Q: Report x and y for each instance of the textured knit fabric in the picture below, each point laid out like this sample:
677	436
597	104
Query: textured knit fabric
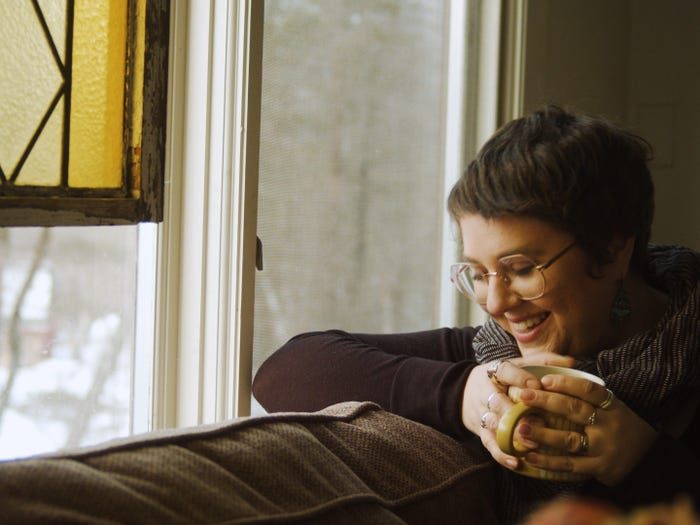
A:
352	463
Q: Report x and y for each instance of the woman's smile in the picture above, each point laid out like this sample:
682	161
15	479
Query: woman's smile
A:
529	331
529	323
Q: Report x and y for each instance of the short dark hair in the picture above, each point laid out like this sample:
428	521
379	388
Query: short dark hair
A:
580	173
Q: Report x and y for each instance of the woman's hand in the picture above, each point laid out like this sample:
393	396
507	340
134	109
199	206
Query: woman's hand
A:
485	399
616	437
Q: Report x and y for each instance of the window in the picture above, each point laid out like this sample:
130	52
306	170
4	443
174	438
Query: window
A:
82	129
208	310
190	288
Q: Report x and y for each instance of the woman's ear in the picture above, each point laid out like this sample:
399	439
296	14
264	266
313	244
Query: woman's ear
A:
621	249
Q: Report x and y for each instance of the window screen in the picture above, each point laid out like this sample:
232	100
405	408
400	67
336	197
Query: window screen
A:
350	189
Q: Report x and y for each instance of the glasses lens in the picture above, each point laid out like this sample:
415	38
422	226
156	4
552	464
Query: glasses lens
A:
524	277
520	274
471	283
458	279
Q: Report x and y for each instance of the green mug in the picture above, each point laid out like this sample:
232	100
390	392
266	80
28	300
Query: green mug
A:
509	421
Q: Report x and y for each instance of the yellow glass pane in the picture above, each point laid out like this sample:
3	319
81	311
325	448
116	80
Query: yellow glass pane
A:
97	100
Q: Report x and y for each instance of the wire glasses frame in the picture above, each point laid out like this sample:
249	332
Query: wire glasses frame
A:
523	277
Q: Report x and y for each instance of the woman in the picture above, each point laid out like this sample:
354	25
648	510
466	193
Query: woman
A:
555	216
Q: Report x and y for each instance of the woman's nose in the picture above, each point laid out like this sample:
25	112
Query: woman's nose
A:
499	298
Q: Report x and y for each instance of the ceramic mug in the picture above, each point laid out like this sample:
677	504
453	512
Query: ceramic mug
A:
509	421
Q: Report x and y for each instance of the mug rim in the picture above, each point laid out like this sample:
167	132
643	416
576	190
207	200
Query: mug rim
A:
562	370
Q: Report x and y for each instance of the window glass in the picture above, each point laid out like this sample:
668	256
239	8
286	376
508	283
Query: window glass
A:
97	94
350	194
66	336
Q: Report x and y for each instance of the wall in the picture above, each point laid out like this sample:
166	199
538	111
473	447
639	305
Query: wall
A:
635	62
664	105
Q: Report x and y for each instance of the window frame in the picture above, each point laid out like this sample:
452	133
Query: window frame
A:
92	207
201	343
205	249
196	268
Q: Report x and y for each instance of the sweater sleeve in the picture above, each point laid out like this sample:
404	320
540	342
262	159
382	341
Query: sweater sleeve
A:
419	375
669	470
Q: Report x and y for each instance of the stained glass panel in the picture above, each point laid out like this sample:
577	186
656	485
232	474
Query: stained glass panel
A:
63	82
80	116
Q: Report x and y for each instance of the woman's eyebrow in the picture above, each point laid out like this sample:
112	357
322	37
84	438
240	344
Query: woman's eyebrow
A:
471	260
527	251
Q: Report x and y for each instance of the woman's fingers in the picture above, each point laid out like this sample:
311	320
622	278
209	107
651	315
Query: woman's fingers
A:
488	438
545	358
565	440
565	463
509	371
595	394
574	409
527	430
601	448
506	373
579	400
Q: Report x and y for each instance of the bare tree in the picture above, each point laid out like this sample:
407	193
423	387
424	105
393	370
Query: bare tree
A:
13	334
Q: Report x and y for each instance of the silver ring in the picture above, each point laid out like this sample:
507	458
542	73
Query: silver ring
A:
583	445
492	372
608	400
483	419
591	420
488	401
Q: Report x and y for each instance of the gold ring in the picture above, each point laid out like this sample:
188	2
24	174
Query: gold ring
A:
591	420
583	445
608	400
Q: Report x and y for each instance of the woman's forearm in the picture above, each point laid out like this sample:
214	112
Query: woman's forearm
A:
417	375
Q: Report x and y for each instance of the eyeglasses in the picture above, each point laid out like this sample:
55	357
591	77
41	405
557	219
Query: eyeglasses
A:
522	275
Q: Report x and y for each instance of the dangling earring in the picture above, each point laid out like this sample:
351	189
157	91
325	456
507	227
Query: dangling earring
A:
621	305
